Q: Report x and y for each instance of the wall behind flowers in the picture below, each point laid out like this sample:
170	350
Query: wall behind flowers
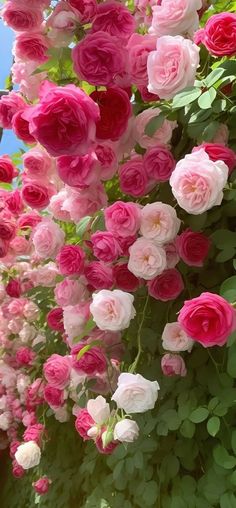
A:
117	255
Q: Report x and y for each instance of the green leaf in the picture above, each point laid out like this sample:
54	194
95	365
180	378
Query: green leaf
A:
118	469
172	419
186	96
228	289
228	500
82	226
206	99
231	364
154	124
88	327
187	429
233	441
210	131
225	255
214	76
138	459
199	414
213	425
223	458
223	238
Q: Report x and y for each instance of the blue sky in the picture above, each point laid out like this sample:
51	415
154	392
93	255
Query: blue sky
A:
9	143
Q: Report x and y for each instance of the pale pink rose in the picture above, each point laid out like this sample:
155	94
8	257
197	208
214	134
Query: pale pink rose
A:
56	206
75	318
31	46
173	365
112	310
16	306
70	292
63	18
147	259
159	222
175	339
45	275
139	47
126	431
175	17
78	172
47	238
135	394
172	67
20	245
98	409
20	17
162	135
2	292
15	325
61	414
31	311
222	135
29	83
172	256
122	219
57	370
197	182
5	420
37	163
80	203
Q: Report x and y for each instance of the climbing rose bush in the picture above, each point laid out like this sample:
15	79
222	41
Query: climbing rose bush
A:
117	255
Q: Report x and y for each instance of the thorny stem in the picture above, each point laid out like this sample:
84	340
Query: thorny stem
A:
135	363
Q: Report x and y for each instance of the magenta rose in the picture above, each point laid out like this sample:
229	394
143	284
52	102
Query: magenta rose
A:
29	220
20	126
7	226
114	18
217	151
57	370
92	362
99	58
193	247
107	450
14	202
13	288
64	121
9	105
123	219
25	356
31	46
105	246
159	163
79	172
53	396
85	9
166	286
17	470
115	111
55	319
7	169
99	275
208	319
124	279
36	195
70	260
133	177
173	365
20	17
83	423
219	35
42	485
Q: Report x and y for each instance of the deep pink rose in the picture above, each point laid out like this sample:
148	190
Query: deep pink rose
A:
57	370
208	319
126	242
20	17
70	260
115	111
34	395
92	362
42	485
147	96
7	169
29	220
4	246
17	470
124	279
13	288
109	449
99	275
193	247
14	202
13	447
139	47
55	319
85	9
7	226
78	171
123	219
34	433
25	356
9	105
107	160
133	177
105	246
53	396
36	194
83	423
20	126
159	163
220	34
173	365
166	286
31	46
217	151
114	18
99	58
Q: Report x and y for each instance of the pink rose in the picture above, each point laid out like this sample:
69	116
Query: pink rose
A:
83	423
7	169
55	319
9	105
159	163
124	279
14	202
69	292
37	163
44	275
70	260
78	172
99	58
147	96
125	243
166	286
172	67
42	485
106	450
172	256
75	318
122	219
13	288
193	247
63	18
107	160
208	319
139	47
84	9
20	126
173	365
25	356
114	18
4	246
105	246
20	245
17	470
47	238
37	195
56	206
29	220
174	17
53	396
159	222
64	120
31	46
20	17
163	134
133	178
175	339
147	259
57	371
7	225
220	34
91	362
34	433
80	203
115	111
218	151
197	182
99	275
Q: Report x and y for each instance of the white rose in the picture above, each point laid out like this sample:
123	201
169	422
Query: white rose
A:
31	311
28	455
147	260
22	382
112	310
5	420
126	431
3	402
98	409
159	222
27	333
175	339
135	394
